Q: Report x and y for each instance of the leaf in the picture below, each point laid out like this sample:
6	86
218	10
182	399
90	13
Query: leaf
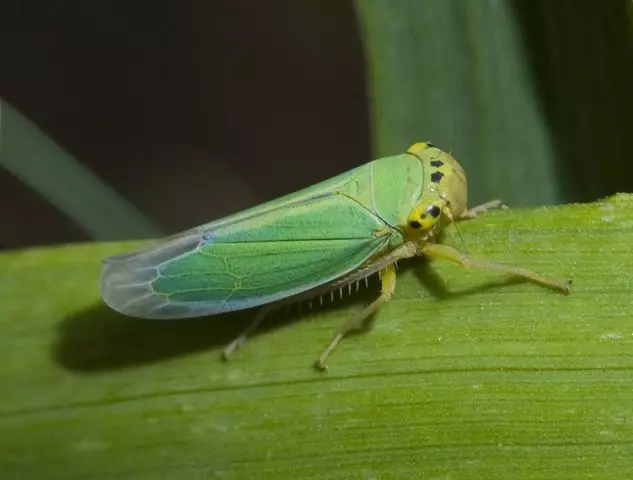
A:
464	374
456	73
36	160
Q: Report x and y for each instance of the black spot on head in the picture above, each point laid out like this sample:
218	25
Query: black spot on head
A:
434	211
415	224
437	163
436	177
430	145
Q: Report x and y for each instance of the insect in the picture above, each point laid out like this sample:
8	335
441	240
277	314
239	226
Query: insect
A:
301	246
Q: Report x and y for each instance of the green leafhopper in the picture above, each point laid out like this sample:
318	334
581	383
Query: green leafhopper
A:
318	240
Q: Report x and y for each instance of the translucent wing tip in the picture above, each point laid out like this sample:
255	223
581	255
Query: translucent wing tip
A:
128	290
126	280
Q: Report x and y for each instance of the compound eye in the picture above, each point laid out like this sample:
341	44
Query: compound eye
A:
434	210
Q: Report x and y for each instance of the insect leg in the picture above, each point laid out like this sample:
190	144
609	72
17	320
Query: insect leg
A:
445	252
357	321
484	207
239	341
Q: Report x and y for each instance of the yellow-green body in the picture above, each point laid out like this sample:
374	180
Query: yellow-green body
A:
284	247
302	245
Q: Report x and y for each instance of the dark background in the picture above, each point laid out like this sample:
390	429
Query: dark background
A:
189	109
196	109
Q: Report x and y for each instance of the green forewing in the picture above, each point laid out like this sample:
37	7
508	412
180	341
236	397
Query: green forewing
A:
272	251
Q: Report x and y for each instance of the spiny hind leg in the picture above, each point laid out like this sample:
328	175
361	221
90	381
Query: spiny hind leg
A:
444	252
357	322
386	265
241	339
484	207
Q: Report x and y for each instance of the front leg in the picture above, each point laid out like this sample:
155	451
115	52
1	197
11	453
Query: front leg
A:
484	207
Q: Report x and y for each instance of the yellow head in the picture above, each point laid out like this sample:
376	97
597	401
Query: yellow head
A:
443	197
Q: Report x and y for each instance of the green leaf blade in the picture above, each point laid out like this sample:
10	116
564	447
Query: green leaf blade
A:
464	373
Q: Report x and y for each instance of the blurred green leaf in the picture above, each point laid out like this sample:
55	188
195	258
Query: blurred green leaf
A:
464	375
532	96
35	159
454	72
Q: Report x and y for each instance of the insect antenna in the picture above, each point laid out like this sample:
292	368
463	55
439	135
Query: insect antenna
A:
461	238
449	214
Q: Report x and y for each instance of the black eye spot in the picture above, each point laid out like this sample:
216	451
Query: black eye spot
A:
415	224
437	163
434	211
436	177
